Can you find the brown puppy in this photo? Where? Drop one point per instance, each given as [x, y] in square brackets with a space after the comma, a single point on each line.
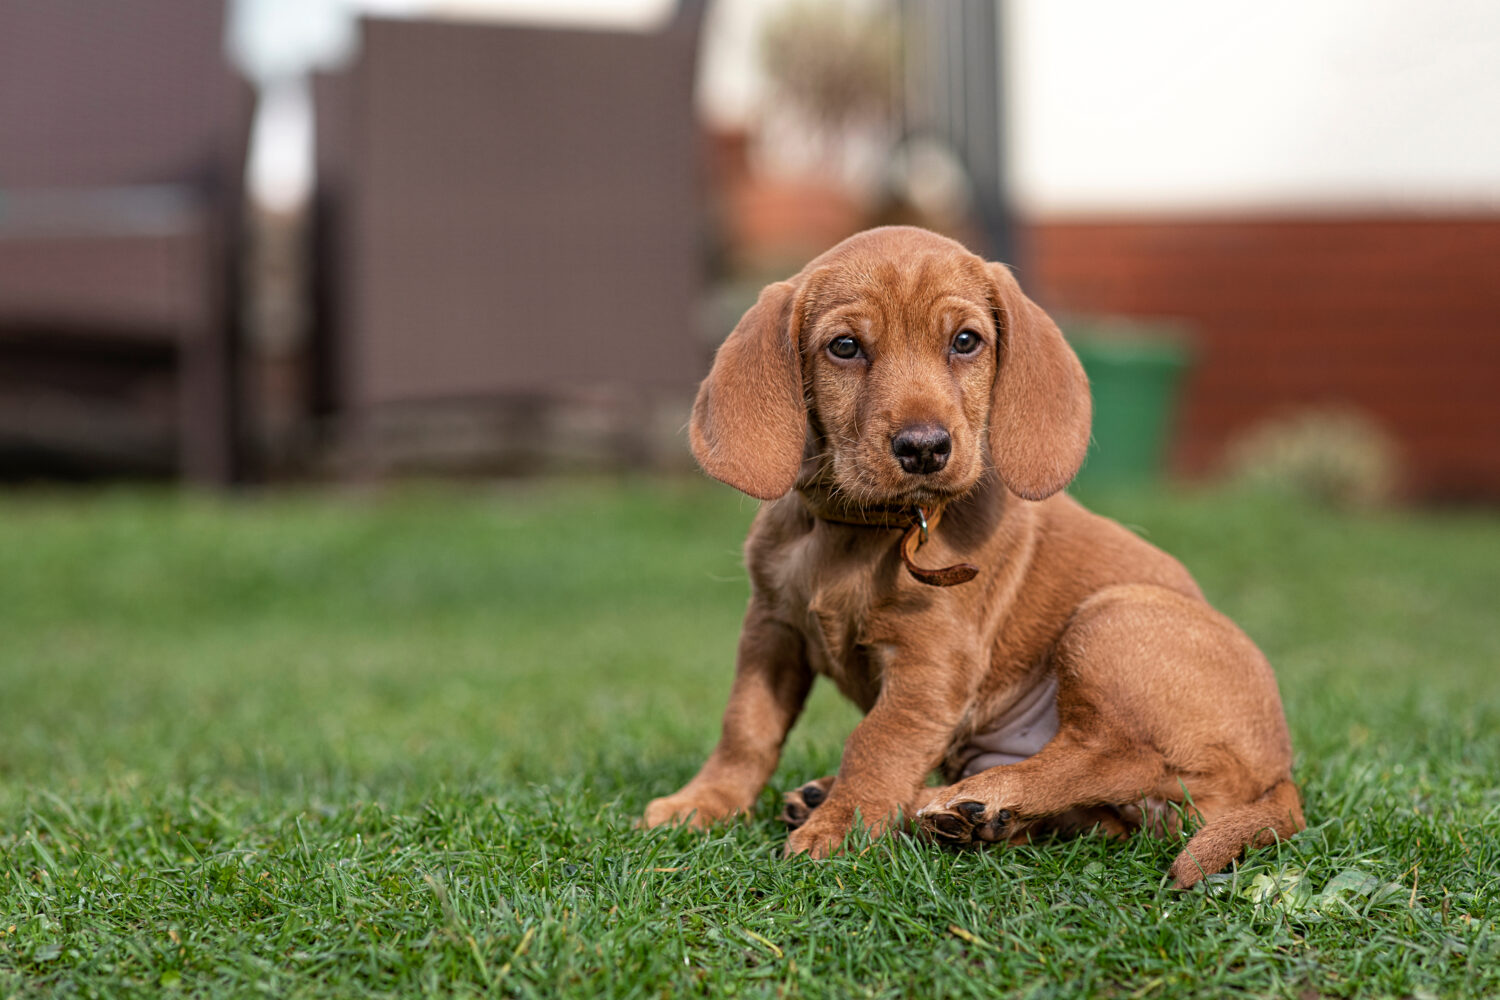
[1077, 679]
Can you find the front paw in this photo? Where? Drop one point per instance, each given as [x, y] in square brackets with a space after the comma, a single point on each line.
[683, 809]
[961, 822]
[817, 839]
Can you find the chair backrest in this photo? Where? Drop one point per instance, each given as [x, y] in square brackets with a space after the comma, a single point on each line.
[522, 209]
[112, 92]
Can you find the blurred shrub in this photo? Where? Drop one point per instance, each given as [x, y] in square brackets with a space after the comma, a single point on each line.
[1335, 455]
[834, 63]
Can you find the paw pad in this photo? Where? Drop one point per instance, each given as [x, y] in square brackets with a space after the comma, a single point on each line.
[963, 823]
[799, 803]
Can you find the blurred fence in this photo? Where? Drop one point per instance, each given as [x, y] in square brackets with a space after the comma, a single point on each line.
[513, 232]
[122, 146]
[508, 223]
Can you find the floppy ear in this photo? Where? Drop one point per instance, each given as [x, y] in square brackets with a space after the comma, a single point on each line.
[749, 420]
[1041, 411]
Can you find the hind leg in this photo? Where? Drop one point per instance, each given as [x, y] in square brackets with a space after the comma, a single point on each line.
[1160, 698]
[1068, 777]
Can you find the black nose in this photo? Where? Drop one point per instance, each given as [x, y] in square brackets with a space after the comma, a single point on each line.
[922, 448]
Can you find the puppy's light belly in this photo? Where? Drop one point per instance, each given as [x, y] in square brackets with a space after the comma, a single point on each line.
[1019, 733]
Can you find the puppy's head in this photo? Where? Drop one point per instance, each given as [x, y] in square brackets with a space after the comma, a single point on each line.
[894, 369]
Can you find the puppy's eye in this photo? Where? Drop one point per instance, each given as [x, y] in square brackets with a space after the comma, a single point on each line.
[844, 347]
[966, 342]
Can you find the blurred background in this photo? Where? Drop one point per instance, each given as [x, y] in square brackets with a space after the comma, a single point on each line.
[282, 240]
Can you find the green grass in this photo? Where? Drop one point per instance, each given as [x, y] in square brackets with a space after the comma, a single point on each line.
[311, 745]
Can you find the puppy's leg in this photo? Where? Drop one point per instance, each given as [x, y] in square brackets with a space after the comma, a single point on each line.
[890, 753]
[771, 682]
[1161, 699]
[1068, 773]
[802, 800]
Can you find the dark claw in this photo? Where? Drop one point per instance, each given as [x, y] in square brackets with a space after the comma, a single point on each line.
[813, 795]
[950, 827]
[973, 810]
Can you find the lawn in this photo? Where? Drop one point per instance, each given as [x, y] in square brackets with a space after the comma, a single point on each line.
[390, 743]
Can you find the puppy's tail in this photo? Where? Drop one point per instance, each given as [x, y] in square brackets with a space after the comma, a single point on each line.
[1274, 816]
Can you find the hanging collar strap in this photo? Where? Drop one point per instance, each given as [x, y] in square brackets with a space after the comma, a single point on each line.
[913, 540]
[918, 522]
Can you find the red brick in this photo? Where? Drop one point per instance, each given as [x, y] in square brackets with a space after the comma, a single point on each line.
[1398, 315]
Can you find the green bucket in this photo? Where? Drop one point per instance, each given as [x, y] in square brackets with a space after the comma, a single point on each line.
[1134, 373]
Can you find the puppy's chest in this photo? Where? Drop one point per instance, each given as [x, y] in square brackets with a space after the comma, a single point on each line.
[829, 600]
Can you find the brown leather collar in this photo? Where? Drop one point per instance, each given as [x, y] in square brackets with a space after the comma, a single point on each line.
[918, 522]
[948, 576]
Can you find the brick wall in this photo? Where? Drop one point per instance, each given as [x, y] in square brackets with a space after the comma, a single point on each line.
[1398, 316]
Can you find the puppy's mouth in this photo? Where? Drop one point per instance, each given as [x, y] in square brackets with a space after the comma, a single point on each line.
[922, 494]
[869, 474]
[931, 494]
[891, 488]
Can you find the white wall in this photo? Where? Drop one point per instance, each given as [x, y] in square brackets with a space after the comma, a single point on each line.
[1180, 105]
[1114, 105]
